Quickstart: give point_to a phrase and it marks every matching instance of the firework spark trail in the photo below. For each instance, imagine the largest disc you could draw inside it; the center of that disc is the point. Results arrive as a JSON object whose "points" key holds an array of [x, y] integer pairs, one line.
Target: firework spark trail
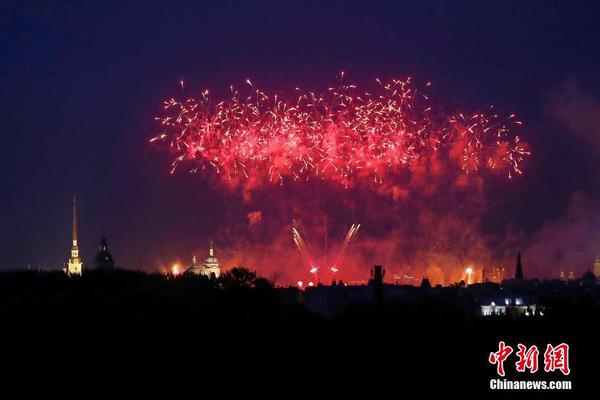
{"points": [[300, 243], [343, 136], [352, 232]]}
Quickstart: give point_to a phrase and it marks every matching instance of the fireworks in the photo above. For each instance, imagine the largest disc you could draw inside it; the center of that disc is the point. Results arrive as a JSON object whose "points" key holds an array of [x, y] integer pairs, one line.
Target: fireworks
{"points": [[352, 232], [344, 135], [302, 246], [300, 243]]}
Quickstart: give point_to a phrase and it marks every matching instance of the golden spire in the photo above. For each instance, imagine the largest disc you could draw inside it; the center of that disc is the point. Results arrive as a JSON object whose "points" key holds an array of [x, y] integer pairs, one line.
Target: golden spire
{"points": [[74, 265], [75, 219]]}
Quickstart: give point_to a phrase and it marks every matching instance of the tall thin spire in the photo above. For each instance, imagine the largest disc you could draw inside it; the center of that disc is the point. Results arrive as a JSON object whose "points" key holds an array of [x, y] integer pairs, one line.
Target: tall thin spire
{"points": [[74, 265], [75, 219], [519, 268]]}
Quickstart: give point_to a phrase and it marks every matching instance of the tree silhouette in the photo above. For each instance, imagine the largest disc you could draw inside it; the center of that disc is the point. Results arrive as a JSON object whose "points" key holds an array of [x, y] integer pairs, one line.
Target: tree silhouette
{"points": [[241, 277]]}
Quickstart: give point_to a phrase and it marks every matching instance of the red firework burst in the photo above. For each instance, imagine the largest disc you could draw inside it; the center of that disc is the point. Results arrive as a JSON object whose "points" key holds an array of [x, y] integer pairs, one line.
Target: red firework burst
{"points": [[344, 135]]}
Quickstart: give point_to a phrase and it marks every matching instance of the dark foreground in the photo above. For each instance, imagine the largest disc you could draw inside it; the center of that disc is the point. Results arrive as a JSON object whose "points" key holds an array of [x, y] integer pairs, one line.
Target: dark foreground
{"points": [[132, 335]]}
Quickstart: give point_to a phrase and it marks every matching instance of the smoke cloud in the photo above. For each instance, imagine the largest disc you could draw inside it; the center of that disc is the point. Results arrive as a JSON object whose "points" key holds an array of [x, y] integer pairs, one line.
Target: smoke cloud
{"points": [[572, 241], [429, 226]]}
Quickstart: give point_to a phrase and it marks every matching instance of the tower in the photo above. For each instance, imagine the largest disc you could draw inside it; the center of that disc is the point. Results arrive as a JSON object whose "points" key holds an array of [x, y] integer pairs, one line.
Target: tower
{"points": [[519, 269], [211, 265], [74, 265], [104, 260]]}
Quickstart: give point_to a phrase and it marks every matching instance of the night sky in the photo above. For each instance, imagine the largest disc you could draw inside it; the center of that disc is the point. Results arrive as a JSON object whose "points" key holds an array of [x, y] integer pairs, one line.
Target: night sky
{"points": [[81, 84]]}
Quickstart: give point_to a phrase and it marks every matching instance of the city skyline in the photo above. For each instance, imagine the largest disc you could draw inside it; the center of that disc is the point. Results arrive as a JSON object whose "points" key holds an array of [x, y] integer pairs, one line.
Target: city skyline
{"points": [[328, 196], [152, 217], [434, 275]]}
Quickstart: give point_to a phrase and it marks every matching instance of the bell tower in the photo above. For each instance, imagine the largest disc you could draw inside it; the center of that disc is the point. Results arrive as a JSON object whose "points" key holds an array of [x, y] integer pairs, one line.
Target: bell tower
{"points": [[74, 265], [211, 265]]}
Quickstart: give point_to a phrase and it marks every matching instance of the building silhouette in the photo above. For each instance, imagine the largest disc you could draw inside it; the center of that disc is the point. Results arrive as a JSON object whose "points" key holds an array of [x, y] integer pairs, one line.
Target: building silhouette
{"points": [[376, 282], [519, 268], [104, 260], [74, 265]]}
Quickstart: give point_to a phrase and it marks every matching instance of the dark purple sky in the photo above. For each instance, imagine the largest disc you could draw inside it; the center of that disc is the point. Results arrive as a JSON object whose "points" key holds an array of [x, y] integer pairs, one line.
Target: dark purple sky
{"points": [[81, 84]]}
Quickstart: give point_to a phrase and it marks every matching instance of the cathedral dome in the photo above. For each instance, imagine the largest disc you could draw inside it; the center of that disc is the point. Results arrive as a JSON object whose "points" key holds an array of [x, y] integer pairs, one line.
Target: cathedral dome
{"points": [[210, 268], [193, 269], [211, 265], [211, 259]]}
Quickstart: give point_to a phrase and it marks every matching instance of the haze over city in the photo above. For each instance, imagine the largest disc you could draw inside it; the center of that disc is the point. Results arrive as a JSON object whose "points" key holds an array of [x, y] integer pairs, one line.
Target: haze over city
{"points": [[82, 86]]}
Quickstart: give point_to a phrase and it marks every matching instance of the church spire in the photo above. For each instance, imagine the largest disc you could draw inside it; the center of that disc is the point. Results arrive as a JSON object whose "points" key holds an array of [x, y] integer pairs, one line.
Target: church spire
{"points": [[519, 268], [74, 265], [75, 220]]}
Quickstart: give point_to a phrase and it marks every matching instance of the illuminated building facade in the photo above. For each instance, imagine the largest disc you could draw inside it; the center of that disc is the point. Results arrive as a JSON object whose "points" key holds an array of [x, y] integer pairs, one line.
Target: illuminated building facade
{"points": [[210, 268], [510, 306], [74, 265], [211, 265]]}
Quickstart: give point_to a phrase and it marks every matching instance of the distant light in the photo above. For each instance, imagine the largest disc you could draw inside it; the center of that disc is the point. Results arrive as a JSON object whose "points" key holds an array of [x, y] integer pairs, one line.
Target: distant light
{"points": [[300, 283], [469, 272], [507, 301], [311, 284], [493, 304], [175, 269], [519, 301]]}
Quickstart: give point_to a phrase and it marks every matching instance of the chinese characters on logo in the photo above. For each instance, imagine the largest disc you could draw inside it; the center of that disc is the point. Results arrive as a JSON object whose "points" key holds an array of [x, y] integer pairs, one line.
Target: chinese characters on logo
{"points": [[555, 358]]}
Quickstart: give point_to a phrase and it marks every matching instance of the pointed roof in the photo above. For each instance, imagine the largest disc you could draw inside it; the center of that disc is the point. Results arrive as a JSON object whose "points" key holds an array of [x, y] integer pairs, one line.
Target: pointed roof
{"points": [[104, 260], [74, 218], [519, 268]]}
